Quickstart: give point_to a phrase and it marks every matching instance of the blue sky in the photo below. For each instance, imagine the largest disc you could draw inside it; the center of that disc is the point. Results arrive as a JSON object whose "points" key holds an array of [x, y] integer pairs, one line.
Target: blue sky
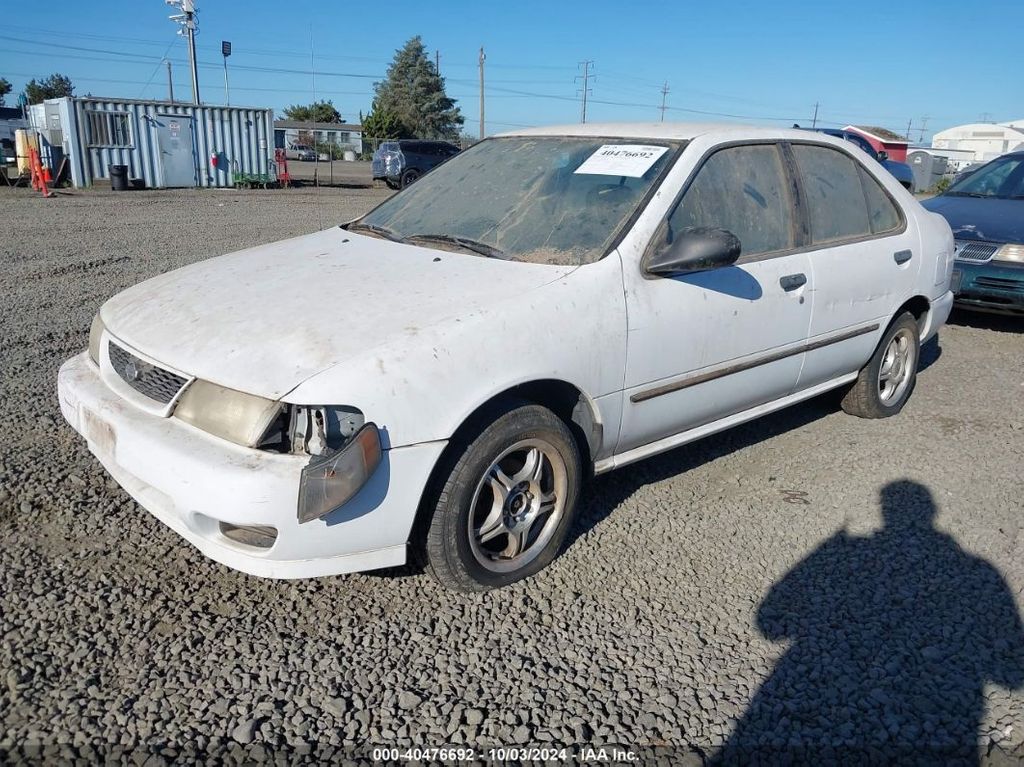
{"points": [[760, 62]]}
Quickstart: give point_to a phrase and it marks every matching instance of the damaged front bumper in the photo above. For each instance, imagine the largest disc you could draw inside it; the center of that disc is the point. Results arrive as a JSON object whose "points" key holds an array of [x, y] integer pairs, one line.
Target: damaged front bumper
{"points": [[990, 287], [238, 505]]}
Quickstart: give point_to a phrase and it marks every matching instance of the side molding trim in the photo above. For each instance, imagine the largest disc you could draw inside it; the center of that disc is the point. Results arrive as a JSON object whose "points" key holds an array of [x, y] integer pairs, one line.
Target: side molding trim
{"points": [[685, 383]]}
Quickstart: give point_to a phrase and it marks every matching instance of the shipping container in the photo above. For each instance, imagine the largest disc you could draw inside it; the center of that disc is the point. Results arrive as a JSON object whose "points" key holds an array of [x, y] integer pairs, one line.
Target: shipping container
{"points": [[163, 143]]}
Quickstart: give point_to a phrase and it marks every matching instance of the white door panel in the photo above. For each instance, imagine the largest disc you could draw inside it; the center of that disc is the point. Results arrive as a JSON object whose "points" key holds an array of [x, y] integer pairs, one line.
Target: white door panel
{"points": [[687, 332]]}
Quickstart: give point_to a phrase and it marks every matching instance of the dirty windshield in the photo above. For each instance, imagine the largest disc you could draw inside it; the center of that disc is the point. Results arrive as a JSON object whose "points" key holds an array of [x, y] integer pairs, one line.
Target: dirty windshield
{"points": [[535, 199]]}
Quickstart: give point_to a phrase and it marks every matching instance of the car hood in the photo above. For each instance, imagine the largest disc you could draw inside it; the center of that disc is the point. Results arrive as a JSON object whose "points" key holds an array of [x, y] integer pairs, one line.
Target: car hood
{"points": [[266, 319], [976, 218]]}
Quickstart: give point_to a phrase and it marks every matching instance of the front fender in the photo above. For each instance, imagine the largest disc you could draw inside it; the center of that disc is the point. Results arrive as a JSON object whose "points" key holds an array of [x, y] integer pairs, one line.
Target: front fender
{"points": [[423, 384]]}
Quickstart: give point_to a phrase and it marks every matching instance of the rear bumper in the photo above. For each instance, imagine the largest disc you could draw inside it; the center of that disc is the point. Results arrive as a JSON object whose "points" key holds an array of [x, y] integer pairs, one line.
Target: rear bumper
{"points": [[193, 482], [937, 315], [991, 287]]}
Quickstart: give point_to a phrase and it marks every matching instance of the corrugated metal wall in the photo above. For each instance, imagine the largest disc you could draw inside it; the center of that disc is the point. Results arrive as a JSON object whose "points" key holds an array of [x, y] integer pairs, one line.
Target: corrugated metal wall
{"points": [[241, 137]]}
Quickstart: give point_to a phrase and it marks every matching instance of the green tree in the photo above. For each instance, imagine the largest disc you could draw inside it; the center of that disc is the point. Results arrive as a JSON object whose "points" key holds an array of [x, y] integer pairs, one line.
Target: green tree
{"points": [[5, 88], [317, 112], [414, 93], [53, 87], [380, 124]]}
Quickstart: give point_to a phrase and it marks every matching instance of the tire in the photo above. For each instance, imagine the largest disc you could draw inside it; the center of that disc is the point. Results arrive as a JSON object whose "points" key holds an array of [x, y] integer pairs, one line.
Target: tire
{"points": [[392, 184], [409, 176], [879, 392], [492, 520]]}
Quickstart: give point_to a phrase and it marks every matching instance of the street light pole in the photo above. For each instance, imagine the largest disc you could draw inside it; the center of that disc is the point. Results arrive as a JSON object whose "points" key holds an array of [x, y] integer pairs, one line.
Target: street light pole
{"points": [[225, 49], [187, 20]]}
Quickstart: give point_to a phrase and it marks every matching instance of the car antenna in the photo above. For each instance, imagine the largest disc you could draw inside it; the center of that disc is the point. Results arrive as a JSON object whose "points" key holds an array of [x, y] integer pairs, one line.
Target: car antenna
{"points": [[312, 134]]}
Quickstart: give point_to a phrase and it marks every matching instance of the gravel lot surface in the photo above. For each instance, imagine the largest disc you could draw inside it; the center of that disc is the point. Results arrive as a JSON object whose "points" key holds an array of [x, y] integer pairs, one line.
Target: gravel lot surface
{"points": [[809, 580]]}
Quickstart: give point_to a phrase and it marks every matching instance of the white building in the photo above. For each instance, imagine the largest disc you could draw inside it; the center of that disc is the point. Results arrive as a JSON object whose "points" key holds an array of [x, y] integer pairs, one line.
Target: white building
{"points": [[986, 140], [344, 136]]}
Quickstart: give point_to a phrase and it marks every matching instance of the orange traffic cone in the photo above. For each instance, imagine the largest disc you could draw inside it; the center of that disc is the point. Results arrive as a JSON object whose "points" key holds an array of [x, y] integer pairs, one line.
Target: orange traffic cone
{"points": [[39, 177]]}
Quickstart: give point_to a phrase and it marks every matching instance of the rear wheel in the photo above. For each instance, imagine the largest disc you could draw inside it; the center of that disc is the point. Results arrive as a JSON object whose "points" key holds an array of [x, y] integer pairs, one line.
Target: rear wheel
{"points": [[507, 501], [887, 381], [409, 176], [392, 184]]}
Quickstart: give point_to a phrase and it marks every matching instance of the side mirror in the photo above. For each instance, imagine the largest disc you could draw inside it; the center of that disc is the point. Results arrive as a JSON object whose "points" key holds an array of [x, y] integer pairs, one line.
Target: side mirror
{"points": [[883, 156], [696, 249]]}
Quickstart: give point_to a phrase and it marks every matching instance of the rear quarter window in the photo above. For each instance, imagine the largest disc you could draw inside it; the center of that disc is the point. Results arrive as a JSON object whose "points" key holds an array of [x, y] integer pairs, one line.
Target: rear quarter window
{"points": [[882, 211], [833, 192]]}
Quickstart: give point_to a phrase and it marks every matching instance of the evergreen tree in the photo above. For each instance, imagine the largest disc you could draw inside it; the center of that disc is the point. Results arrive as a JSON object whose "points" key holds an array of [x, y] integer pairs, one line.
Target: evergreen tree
{"points": [[5, 88], [381, 124], [52, 87], [413, 92], [317, 112]]}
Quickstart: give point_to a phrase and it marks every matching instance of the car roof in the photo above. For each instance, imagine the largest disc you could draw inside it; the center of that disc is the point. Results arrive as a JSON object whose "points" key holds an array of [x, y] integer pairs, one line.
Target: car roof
{"points": [[677, 131]]}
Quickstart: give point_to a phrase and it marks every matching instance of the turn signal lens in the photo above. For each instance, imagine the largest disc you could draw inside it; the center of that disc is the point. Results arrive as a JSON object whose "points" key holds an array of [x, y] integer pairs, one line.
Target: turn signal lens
{"points": [[1010, 252], [329, 481]]}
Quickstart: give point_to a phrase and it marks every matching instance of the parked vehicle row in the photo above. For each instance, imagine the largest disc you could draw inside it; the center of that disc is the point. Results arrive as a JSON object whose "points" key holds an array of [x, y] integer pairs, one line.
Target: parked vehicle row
{"points": [[547, 305]]}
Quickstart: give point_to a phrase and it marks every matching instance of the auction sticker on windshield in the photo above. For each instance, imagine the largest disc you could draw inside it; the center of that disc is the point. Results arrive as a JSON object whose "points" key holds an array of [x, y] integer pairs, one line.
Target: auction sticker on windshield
{"points": [[632, 160]]}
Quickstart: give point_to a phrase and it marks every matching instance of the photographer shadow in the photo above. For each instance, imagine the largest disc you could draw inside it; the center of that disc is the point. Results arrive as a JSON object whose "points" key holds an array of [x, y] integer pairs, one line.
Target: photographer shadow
{"points": [[894, 636]]}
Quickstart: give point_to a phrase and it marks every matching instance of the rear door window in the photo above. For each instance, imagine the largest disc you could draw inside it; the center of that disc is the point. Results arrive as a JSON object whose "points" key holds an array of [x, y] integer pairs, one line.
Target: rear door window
{"points": [[882, 210], [833, 192], [745, 190]]}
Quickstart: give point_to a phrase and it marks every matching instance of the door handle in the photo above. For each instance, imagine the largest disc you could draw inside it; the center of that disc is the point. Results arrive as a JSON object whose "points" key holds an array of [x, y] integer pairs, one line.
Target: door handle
{"points": [[902, 256], [793, 281]]}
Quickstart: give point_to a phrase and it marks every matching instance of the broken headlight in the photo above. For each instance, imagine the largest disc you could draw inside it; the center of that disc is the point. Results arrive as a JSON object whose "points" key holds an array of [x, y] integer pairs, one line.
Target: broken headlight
{"points": [[232, 415]]}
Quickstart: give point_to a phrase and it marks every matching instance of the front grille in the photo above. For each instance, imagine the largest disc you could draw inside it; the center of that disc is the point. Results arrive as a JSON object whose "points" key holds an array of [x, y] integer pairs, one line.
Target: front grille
{"points": [[148, 380], [970, 250]]}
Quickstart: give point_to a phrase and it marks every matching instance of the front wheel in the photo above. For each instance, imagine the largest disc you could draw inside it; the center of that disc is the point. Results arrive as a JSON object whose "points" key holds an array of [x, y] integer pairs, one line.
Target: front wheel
{"points": [[392, 184], [507, 501], [887, 381]]}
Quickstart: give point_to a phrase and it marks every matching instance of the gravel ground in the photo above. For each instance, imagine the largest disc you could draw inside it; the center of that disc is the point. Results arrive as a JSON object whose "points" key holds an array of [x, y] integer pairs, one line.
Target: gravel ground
{"points": [[807, 581]]}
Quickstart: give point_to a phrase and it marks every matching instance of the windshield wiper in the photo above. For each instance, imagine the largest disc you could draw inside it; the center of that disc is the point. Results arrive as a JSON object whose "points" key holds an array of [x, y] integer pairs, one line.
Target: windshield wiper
{"points": [[968, 194], [380, 231], [481, 248]]}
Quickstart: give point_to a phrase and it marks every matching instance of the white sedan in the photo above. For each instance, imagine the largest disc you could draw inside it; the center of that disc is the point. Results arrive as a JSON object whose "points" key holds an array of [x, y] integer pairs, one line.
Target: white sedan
{"points": [[441, 375]]}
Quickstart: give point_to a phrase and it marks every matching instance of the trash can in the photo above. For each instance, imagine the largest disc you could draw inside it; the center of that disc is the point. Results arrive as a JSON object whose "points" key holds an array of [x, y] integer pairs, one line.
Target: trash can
{"points": [[350, 156], [119, 178]]}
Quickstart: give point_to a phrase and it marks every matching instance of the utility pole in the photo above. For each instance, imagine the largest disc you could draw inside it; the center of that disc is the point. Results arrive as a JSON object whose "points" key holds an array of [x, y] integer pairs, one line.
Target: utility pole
{"points": [[909, 123], [437, 62], [664, 93], [225, 50], [924, 122], [187, 20], [483, 58], [585, 77], [814, 122], [170, 82]]}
